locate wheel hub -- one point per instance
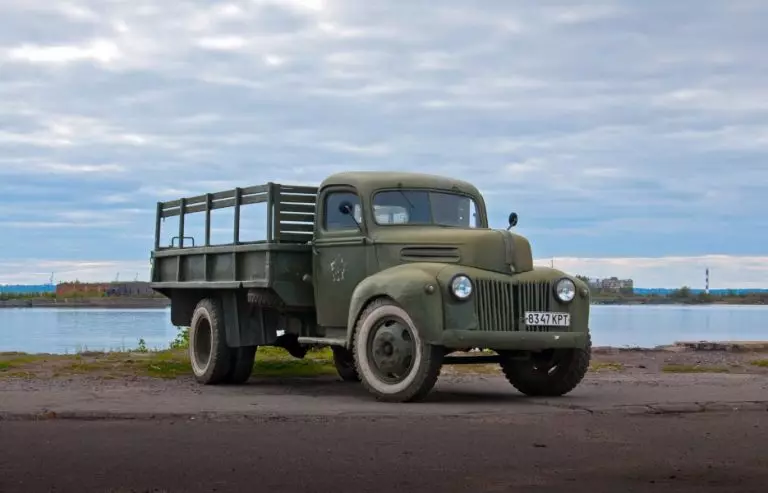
(392, 349)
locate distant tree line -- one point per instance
(683, 294)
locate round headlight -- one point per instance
(565, 290)
(461, 287)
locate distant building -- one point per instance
(594, 283)
(616, 284)
(84, 288)
(135, 288)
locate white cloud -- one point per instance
(580, 14)
(726, 271)
(102, 51)
(223, 43)
(615, 131)
(38, 271)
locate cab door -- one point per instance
(342, 255)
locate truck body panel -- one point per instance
(393, 270)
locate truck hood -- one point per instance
(488, 249)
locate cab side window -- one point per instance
(334, 219)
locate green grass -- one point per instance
(694, 369)
(168, 363)
(762, 363)
(17, 360)
(167, 368)
(272, 361)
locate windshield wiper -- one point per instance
(407, 199)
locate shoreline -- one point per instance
(116, 302)
(162, 302)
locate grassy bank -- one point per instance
(603, 298)
(169, 363)
(173, 363)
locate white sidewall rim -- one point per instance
(199, 371)
(363, 356)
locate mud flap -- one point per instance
(245, 325)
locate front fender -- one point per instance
(407, 285)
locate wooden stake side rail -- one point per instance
(290, 212)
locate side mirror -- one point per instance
(512, 220)
(345, 208)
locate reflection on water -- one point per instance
(653, 325)
(62, 330)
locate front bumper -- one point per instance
(524, 341)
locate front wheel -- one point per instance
(344, 361)
(551, 373)
(393, 362)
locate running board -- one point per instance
(323, 340)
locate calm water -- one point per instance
(55, 330)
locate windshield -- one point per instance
(425, 207)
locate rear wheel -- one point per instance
(208, 351)
(552, 373)
(241, 364)
(393, 362)
(344, 360)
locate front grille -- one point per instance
(500, 305)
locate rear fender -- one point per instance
(407, 285)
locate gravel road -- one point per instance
(616, 432)
(325, 396)
(566, 451)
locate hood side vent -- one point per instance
(430, 254)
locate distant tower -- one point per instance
(706, 281)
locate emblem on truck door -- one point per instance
(337, 269)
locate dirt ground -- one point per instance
(666, 420)
(161, 383)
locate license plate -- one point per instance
(548, 318)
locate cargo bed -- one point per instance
(279, 262)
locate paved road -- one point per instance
(614, 433)
(490, 395)
(567, 451)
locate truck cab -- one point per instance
(399, 273)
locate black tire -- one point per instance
(241, 364)
(424, 364)
(208, 352)
(536, 377)
(344, 361)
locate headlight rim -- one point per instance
(557, 296)
(453, 291)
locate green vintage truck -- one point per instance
(399, 273)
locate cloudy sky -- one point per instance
(631, 137)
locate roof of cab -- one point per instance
(368, 181)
